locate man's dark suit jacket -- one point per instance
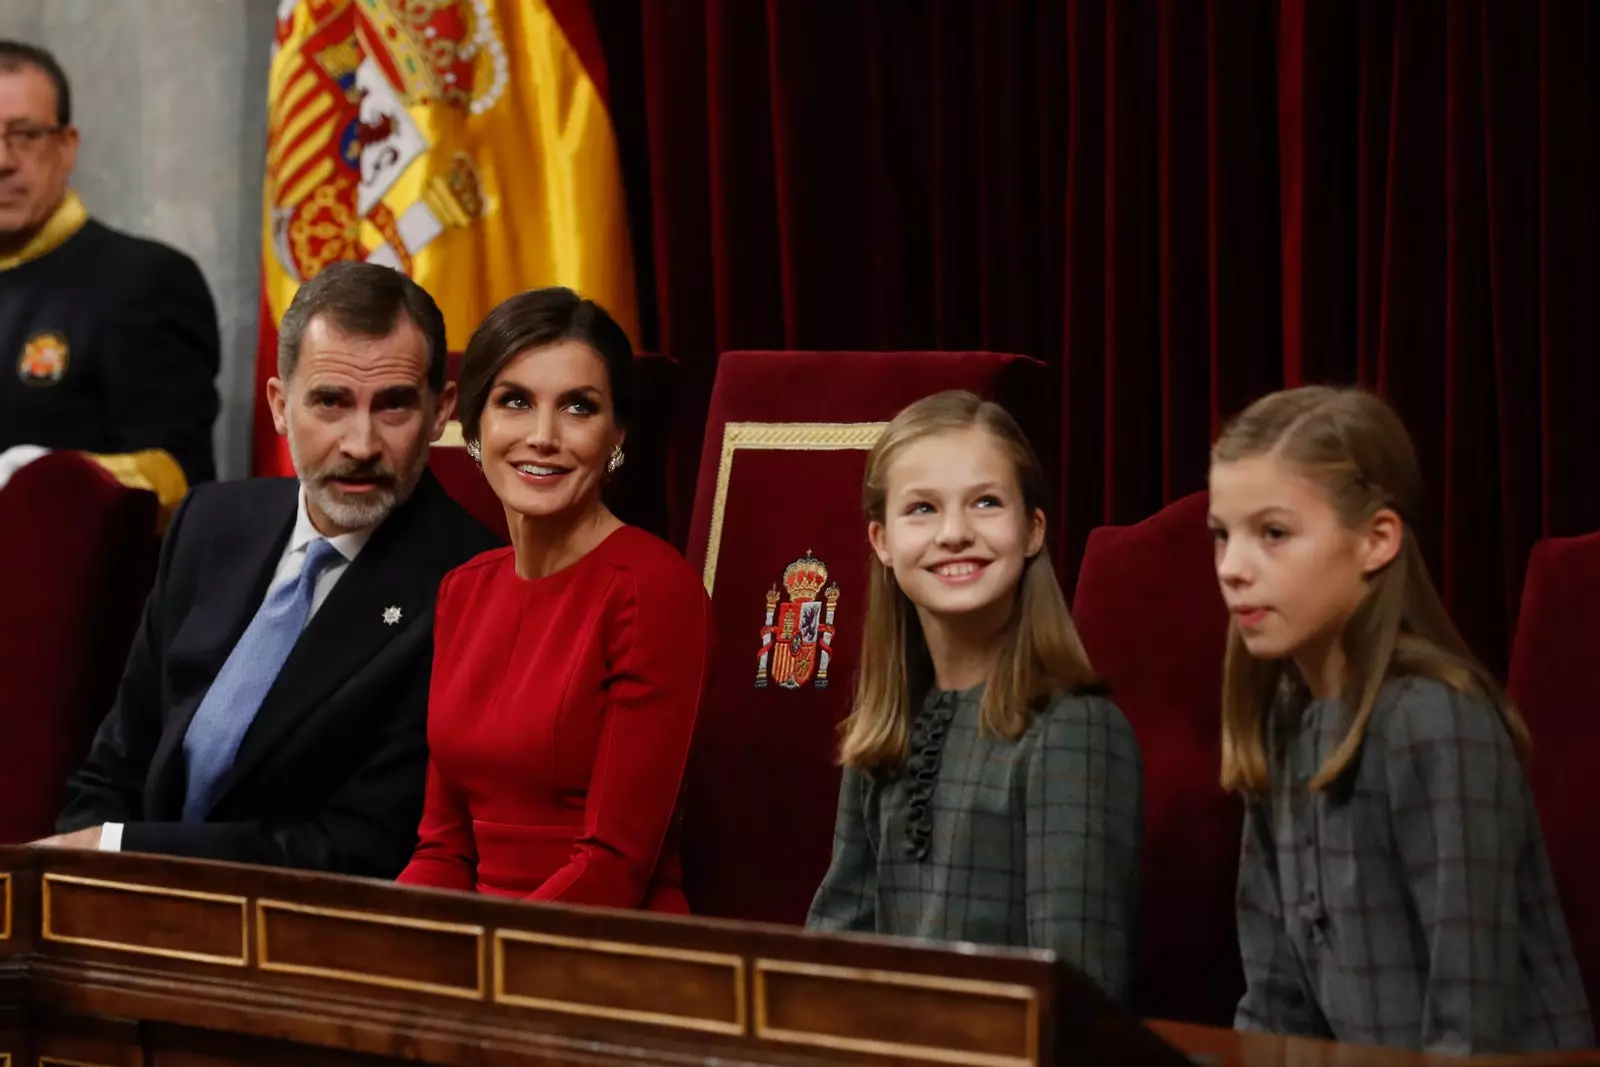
(137, 332)
(330, 774)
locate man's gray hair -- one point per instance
(366, 300)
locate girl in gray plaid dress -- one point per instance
(1393, 882)
(990, 793)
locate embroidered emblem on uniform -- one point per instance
(44, 359)
(798, 633)
(391, 615)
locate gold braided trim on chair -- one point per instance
(778, 437)
(153, 469)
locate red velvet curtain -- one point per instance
(1177, 204)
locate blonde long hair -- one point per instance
(1355, 448)
(1039, 651)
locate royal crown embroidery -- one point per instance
(797, 636)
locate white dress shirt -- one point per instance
(348, 546)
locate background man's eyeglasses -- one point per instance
(27, 140)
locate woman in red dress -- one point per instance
(568, 668)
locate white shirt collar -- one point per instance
(348, 545)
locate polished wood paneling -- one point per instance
(118, 960)
(371, 949)
(668, 987)
(74, 1041)
(849, 1009)
(148, 920)
(176, 1046)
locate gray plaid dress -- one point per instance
(1031, 843)
(1411, 904)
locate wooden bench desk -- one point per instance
(120, 960)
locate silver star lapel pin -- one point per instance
(391, 615)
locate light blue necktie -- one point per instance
(230, 705)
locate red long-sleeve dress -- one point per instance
(559, 720)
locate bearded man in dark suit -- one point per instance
(273, 708)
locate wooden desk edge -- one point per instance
(1226, 1048)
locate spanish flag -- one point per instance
(465, 142)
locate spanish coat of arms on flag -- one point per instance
(465, 142)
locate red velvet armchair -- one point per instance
(779, 536)
(77, 557)
(1554, 686)
(1153, 622)
(639, 493)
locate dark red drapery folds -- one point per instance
(1179, 205)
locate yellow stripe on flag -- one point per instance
(282, 106)
(314, 112)
(308, 150)
(292, 113)
(303, 187)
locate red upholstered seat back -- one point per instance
(1152, 619)
(461, 478)
(638, 495)
(780, 482)
(77, 557)
(1553, 683)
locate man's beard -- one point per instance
(352, 511)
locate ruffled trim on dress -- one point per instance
(922, 772)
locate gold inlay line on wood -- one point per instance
(1025, 995)
(5, 914)
(735, 965)
(776, 437)
(54, 1061)
(49, 933)
(266, 963)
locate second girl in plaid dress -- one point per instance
(1393, 883)
(990, 793)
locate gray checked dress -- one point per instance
(1031, 843)
(1411, 904)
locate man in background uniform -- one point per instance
(108, 342)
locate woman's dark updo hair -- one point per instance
(535, 319)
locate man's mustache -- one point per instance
(358, 472)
